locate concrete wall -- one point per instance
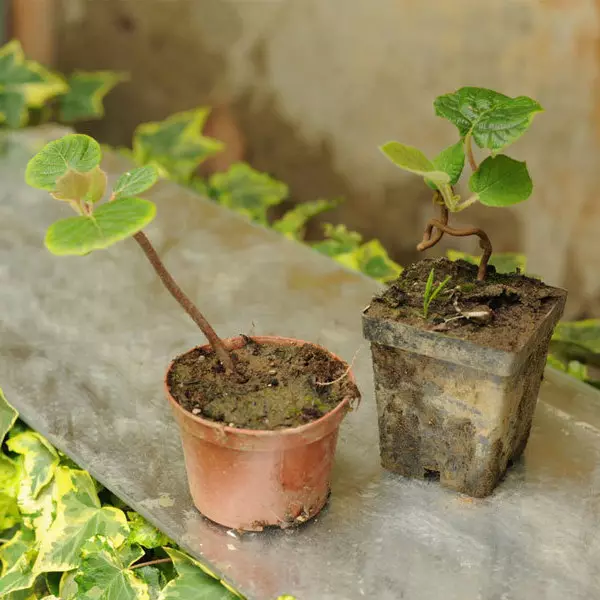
(314, 86)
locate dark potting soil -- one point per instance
(505, 309)
(283, 387)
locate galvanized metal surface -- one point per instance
(85, 341)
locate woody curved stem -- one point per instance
(441, 227)
(428, 241)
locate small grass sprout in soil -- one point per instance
(492, 121)
(431, 294)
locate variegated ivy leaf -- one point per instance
(135, 182)
(338, 240)
(374, 261)
(176, 144)
(39, 460)
(9, 510)
(493, 120)
(104, 573)
(17, 557)
(67, 589)
(8, 416)
(192, 581)
(85, 95)
(154, 578)
(76, 152)
(247, 191)
(144, 534)
(293, 223)
(23, 83)
(79, 516)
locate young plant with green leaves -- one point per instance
(431, 293)
(493, 122)
(27, 88)
(69, 169)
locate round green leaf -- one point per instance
(504, 124)
(451, 160)
(501, 181)
(77, 152)
(413, 160)
(135, 182)
(109, 223)
(494, 120)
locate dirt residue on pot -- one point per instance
(506, 309)
(283, 385)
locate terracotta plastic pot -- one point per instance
(248, 479)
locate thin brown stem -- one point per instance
(428, 241)
(484, 243)
(441, 227)
(149, 563)
(469, 151)
(190, 308)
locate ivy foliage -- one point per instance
(176, 147)
(60, 539)
(29, 90)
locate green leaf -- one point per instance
(176, 144)
(8, 416)
(79, 517)
(135, 182)
(67, 589)
(585, 334)
(247, 191)
(293, 223)
(85, 94)
(13, 108)
(144, 534)
(108, 224)
(104, 573)
(373, 260)
(39, 458)
(9, 510)
(338, 241)
(192, 582)
(17, 557)
(413, 160)
(504, 262)
(577, 341)
(494, 120)
(505, 124)
(450, 160)
(75, 151)
(501, 181)
(154, 579)
(14, 69)
(98, 182)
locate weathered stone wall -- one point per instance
(315, 86)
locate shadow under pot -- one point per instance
(269, 465)
(456, 391)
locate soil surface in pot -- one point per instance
(501, 312)
(283, 388)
